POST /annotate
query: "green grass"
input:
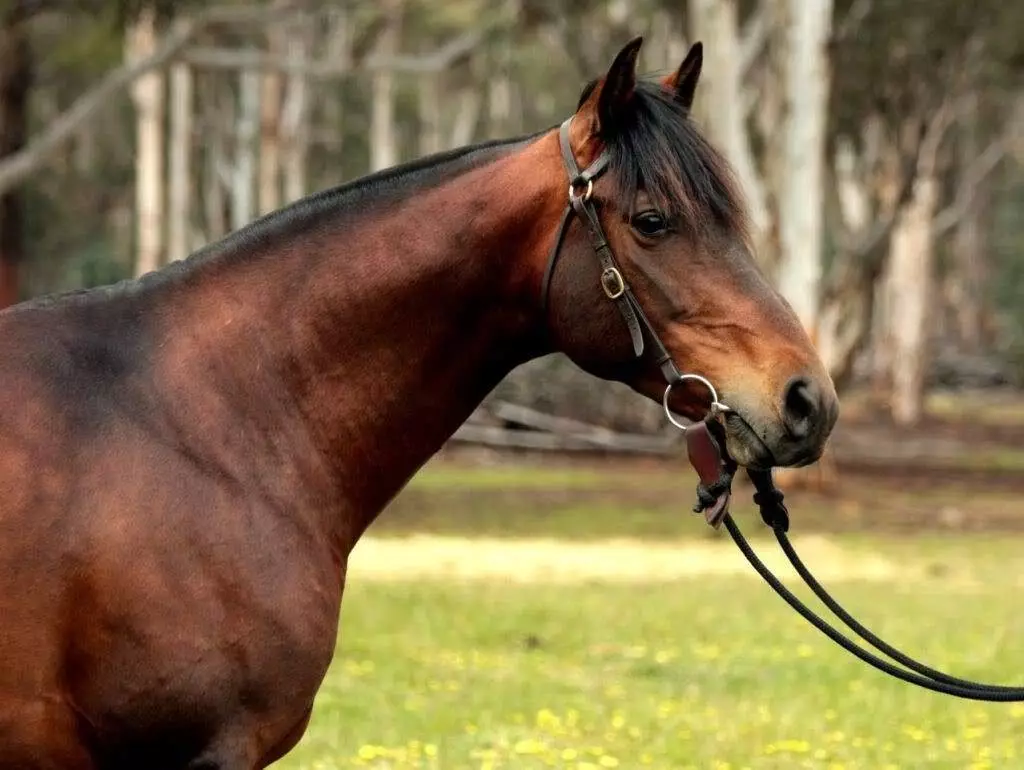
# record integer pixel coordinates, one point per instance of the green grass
(704, 671)
(694, 673)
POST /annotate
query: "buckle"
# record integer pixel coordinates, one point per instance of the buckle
(612, 283)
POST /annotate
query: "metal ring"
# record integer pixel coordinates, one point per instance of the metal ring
(586, 195)
(716, 405)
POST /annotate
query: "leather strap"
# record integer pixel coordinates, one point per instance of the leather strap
(704, 451)
(613, 282)
(706, 458)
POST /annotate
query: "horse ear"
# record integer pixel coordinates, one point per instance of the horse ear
(683, 83)
(614, 92)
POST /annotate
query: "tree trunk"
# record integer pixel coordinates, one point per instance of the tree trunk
(295, 118)
(16, 73)
(720, 102)
(383, 134)
(430, 113)
(467, 113)
(243, 182)
(911, 262)
(970, 271)
(500, 117)
(148, 96)
(215, 105)
(844, 315)
(270, 131)
(796, 175)
(801, 190)
(179, 214)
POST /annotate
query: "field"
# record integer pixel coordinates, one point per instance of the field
(533, 614)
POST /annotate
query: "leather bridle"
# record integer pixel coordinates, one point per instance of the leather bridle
(713, 465)
(614, 286)
(702, 445)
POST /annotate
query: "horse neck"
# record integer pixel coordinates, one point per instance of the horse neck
(387, 326)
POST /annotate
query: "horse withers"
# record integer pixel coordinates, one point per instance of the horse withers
(187, 459)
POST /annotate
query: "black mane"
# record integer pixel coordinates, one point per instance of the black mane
(658, 148)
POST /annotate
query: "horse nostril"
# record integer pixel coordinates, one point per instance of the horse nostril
(801, 406)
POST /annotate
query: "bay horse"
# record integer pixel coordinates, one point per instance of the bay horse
(187, 459)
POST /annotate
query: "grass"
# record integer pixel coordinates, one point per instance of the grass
(567, 617)
(688, 673)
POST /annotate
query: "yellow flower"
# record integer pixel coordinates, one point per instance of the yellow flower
(528, 746)
(367, 752)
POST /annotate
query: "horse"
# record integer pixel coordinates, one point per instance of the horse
(188, 458)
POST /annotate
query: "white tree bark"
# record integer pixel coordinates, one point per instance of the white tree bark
(430, 113)
(500, 90)
(383, 134)
(720, 103)
(911, 268)
(218, 120)
(801, 190)
(909, 282)
(270, 136)
(244, 175)
(467, 113)
(179, 162)
(148, 97)
(295, 117)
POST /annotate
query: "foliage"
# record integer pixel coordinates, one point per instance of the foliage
(897, 60)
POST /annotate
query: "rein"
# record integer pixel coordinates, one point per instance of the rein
(919, 674)
(716, 469)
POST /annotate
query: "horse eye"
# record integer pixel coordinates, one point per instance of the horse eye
(649, 224)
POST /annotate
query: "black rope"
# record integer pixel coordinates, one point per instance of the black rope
(874, 640)
(932, 680)
(708, 494)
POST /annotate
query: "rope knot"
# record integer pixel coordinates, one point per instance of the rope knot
(769, 499)
(708, 494)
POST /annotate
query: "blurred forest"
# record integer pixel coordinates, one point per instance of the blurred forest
(879, 142)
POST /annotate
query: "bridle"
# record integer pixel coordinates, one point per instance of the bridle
(704, 453)
(705, 442)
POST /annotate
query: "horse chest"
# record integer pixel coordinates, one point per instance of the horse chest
(208, 643)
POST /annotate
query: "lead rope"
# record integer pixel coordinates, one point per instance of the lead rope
(770, 501)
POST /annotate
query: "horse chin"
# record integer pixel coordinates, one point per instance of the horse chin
(751, 449)
(744, 445)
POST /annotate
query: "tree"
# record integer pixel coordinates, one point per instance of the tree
(16, 75)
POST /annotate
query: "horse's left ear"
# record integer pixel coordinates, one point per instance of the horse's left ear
(611, 97)
(683, 83)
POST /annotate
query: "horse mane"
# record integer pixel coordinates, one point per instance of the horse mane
(658, 148)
